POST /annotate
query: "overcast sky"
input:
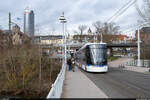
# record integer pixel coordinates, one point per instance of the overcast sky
(77, 12)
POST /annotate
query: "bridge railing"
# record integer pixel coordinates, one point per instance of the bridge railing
(144, 63)
(56, 89)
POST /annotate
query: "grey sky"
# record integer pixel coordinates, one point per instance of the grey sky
(77, 12)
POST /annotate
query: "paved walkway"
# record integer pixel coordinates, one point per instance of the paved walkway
(116, 63)
(77, 85)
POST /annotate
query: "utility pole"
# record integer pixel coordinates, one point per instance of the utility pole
(95, 37)
(40, 70)
(101, 37)
(139, 61)
(63, 21)
(9, 22)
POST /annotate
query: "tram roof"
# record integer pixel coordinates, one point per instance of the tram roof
(96, 43)
(91, 44)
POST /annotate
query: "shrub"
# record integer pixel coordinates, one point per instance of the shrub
(24, 68)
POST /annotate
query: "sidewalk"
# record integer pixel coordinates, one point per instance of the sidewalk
(137, 69)
(116, 63)
(77, 85)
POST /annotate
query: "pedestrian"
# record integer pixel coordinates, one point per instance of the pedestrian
(69, 64)
(73, 63)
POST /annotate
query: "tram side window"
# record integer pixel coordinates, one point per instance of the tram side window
(83, 56)
(87, 56)
(78, 56)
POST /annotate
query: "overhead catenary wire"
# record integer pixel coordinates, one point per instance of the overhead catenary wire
(135, 27)
(139, 11)
(121, 10)
(118, 11)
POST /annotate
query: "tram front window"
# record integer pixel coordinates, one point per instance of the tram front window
(98, 55)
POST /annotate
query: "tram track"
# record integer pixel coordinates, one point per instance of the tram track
(119, 83)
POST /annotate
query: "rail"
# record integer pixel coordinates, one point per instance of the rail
(56, 89)
(145, 63)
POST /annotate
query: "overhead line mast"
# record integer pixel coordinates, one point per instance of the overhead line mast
(9, 22)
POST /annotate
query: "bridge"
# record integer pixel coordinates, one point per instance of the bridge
(79, 45)
(76, 46)
(122, 45)
(128, 82)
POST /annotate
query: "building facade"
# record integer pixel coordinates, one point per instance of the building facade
(18, 37)
(49, 39)
(108, 38)
(144, 35)
(29, 22)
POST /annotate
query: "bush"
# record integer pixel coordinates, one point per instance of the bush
(135, 57)
(112, 58)
(23, 69)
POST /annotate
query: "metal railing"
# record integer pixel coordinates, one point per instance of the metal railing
(145, 63)
(56, 89)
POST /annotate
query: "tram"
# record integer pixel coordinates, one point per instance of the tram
(92, 57)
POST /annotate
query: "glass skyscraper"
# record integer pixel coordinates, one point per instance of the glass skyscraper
(29, 22)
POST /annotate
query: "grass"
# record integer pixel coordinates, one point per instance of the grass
(112, 58)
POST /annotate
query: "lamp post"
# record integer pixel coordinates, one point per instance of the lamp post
(139, 40)
(63, 21)
(101, 37)
(95, 37)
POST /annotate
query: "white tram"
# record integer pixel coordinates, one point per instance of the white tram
(92, 57)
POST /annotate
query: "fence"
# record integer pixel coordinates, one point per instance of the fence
(56, 89)
(144, 63)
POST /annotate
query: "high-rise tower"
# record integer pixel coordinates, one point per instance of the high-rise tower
(29, 22)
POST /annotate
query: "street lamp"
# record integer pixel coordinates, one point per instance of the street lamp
(139, 54)
(101, 37)
(63, 21)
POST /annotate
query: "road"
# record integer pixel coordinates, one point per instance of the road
(118, 83)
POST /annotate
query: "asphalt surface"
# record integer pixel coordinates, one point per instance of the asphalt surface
(119, 83)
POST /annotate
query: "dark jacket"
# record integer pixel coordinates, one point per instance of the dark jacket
(69, 62)
(73, 60)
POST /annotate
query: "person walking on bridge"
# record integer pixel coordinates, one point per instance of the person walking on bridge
(73, 62)
(69, 62)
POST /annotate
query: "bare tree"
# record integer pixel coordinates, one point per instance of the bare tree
(76, 32)
(105, 28)
(80, 31)
(112, 28)
(98, 26)
(82, 28)
(144, 11)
